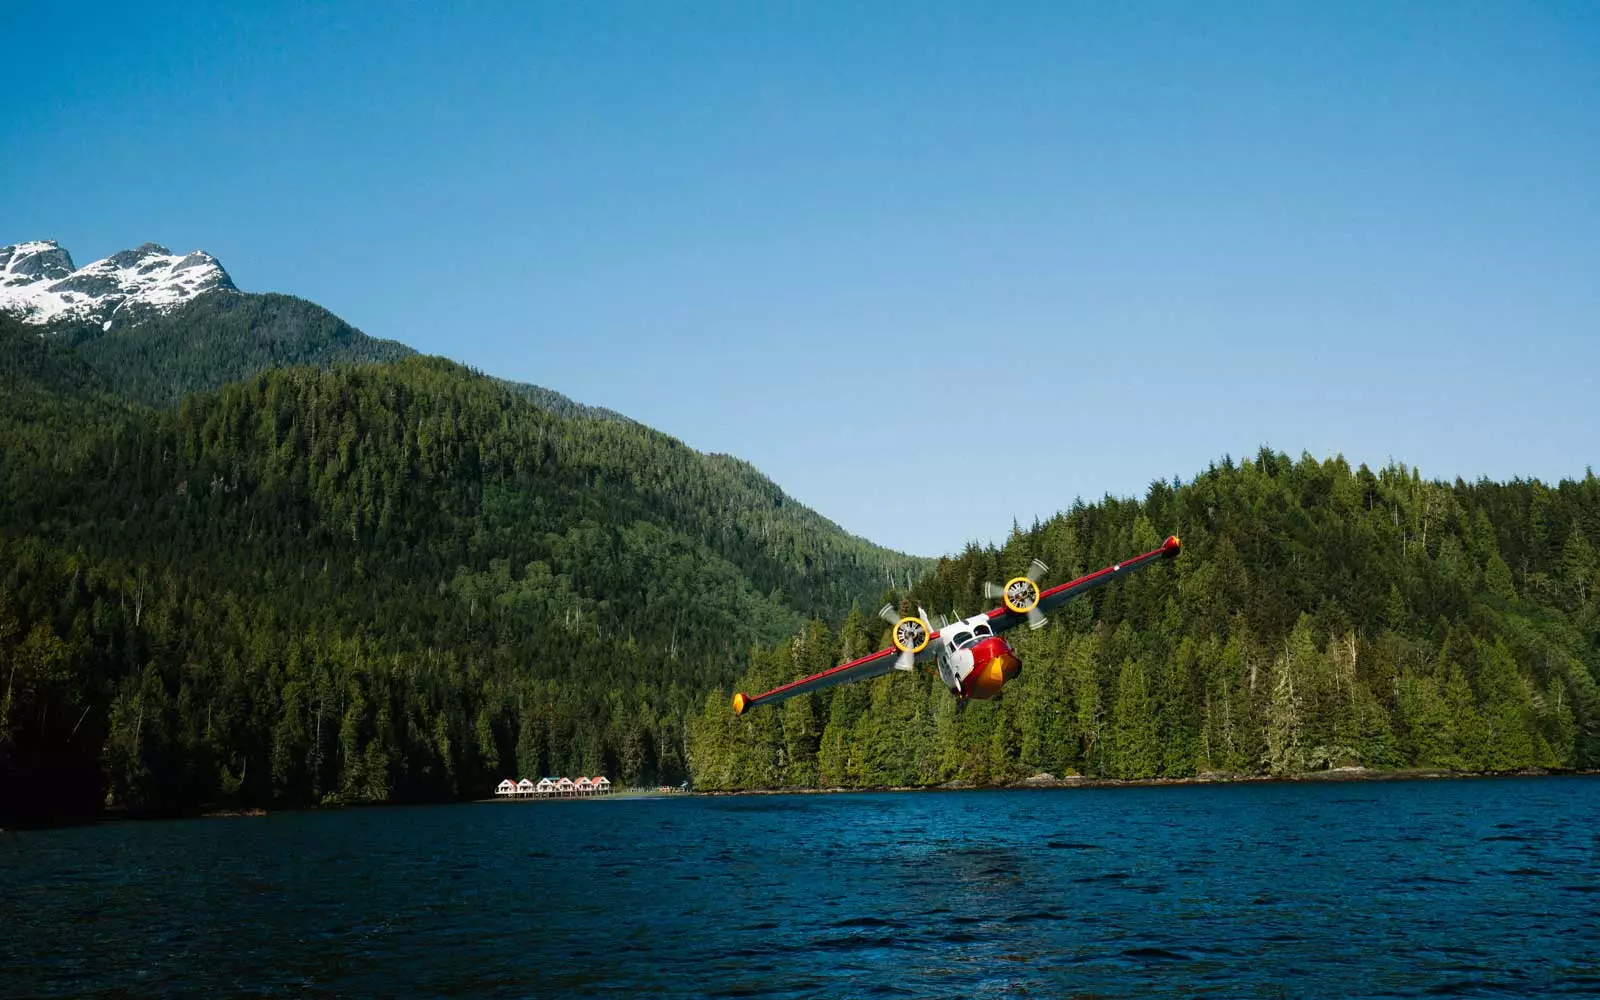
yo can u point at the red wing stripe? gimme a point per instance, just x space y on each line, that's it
1091 579
1063 588
863 661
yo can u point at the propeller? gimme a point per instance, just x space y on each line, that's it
910 635
1021 594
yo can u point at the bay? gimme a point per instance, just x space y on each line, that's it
1394 888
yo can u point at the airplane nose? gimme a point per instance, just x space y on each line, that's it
994 663
1006 657
992 646
997 650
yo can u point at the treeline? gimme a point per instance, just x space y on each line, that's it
405 581
156 696
1318 617
370 583
217 338
224 336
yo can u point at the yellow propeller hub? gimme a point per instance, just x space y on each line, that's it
1021 595
911 635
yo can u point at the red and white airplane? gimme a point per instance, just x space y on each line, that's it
972 658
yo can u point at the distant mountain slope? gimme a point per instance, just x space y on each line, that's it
49 393
549 399
221 338
159 325
215 339
31 363
229 335
379 581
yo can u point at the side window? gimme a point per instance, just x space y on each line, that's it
962 640
981 630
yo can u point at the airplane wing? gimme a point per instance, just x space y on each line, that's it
871 665
1002 618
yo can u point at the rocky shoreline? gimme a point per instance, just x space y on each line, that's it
1045 780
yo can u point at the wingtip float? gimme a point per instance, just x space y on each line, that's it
971 656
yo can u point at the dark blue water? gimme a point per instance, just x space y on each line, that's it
1461 888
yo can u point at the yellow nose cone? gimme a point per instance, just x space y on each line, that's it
987 680
738 704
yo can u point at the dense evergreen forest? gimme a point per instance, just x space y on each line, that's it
219 338
225 336
378 582
404 580
1318 617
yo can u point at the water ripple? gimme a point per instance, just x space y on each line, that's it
1399 889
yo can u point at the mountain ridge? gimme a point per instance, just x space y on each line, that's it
222 334
379 575
142 316
40 284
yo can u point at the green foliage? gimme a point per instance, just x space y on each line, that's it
372 583
1319 617
219 338
398 582
1138 751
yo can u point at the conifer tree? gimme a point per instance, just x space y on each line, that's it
1136 740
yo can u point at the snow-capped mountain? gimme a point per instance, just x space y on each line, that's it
38 283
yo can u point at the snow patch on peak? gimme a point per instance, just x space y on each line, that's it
26 263
38 283
32 247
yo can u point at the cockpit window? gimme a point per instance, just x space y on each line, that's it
962 640
981 630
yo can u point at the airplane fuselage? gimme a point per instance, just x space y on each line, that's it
973 661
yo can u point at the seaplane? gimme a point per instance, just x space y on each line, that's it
971 655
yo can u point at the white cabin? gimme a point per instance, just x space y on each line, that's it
506 787
955 639
524 787
602 785
546 786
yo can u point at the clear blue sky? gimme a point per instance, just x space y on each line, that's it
1044 250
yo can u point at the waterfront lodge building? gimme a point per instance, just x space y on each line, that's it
553 788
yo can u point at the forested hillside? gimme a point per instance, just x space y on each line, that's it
219 338
1319 616
402 581
225 336
369 583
